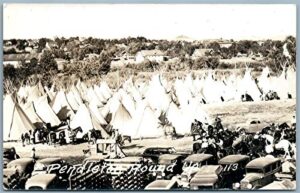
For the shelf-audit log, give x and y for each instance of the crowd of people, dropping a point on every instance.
(271, 140)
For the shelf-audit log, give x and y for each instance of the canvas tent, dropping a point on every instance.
(145, 123)
(249, 86)
(74, 98)
(45, 112)
(15, 121)
(122, 121)
(61, 107)
(29, 110)
(86, 121)
(157, 88)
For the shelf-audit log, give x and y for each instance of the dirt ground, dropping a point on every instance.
(232, 115)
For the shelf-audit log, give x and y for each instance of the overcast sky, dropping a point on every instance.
(151, 21)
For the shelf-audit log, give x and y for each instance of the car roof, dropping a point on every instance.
(126, 159)
(169, 156)
(198, 157)
(96, 157)
(159, 184)
(233, 159)
(41, 179)
(6, 148)
(49, 160)
(209, 169)
(159, 148)
(20, 161)
(261, 162)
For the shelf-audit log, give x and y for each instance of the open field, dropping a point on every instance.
(232, 115)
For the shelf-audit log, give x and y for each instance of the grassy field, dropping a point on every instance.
(232, 114)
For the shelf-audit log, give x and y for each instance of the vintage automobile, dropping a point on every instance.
(117, 166)
(45, 182)
(43, 166)
(191, 165)
(234, 169)
(154, 152)
(8, 155)
(208, 177)
(162, 185)
(280, 185)
(260, 172)
(171, 165)
(95, 159)
(255, 125)
(17, 171)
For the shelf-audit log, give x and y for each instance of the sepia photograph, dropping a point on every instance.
(189, 97)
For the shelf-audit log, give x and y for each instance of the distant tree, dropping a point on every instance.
(215, 46)
(9, 72)
(13, 41)
(47, 62)
(21, 45)
(41, 44)
(10, 51)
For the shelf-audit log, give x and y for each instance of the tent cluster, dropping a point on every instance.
(135, 108)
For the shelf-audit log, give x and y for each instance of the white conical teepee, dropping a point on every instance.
(15, 121)
(146, 124)
(45, 112)
(61, 106)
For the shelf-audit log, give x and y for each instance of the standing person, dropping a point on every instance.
(33, 156)
(37, 136)
(31, 137)
(27, 138)
(23, 139)
(13, 154)
(89, 135)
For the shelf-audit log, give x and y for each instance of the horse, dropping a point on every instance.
(122, 138)
(284, 145)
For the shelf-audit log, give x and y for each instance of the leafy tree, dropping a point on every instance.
(9, 72)
(41, 44)
(21, 44)
(47, 62)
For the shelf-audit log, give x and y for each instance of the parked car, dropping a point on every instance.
(17, 172)
(191, 165)
(154, 152)
(234, 169)
(162, 185)
(260, 172)
(117, 166)
(280, 185)
(45, 182)
(255, 125)
(94, 159)
(208, 177)
(9, 154)
(172, 165)
(43, 166)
